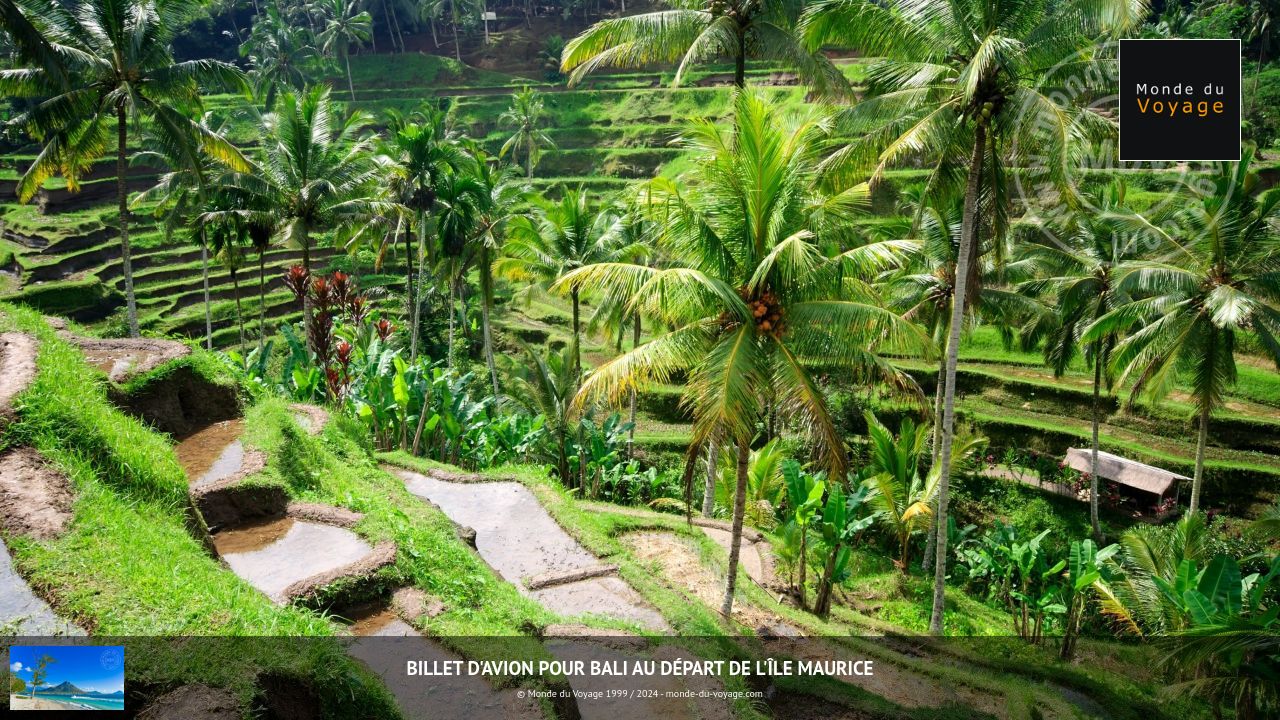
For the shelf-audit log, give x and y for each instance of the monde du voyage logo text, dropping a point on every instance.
(1179, 100)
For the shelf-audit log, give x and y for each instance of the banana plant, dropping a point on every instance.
(843, 517)
(1087, 567)
(1038, 593)
(804, 500)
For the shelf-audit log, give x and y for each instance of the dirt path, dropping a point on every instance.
(677, 559)
(35, 498)
(17, 369)
(754, 557)
(311, 418)
(521, 541)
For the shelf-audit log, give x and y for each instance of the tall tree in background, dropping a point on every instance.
(753, 305)
(179, 198)
(525, 118)
(501, 196)
(697, 32)
(1090, 247)
(278, 54)
(559, 239)
(959, 81)
(1217, 281)
(313, 173)
(117, 67)
(345, 25)
(420, 152)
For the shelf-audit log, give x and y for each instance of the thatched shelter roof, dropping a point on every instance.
(1124, 471)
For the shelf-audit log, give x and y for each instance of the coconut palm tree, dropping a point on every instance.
(559, 239)
(1216, 281)
(117, 66)
(1089, 247)
(960, 81)
(524, 117)
(544, 384)
(752, 306)
(227, 240)
(21, 23)
(278, 54)
(701, 31)
(345, 25)
(313, 173)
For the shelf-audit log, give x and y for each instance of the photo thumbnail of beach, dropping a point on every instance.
(66, 677)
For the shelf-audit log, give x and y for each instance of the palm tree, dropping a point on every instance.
(568, 235)
(959, 81)
(313, 173)
(923, 289)
(419, 153)
(501, 196)
(753, 306)
(1090, 246)
(459, 197)
(346, 25)
(1217, 280)
(695, 32)
(544, 384)
(179, 197)
(278, 54)
(227, 240)
(118, 66)
(33, 46)
(901, 490)
(525, 116)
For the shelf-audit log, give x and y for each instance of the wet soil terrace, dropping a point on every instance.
(274, 554)
(216, 453)
(520, 540)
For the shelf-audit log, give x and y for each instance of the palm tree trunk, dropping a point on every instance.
(409, 290)
(262, 300)
(122, 197)
(1201, 441)
(452, 321)
(735, 541)
(306, 294)
(740, 62)
(631, 434)
(577, 342)
(709, 487)
(1093, 461)
(235, 289)
(486, 300)
(346, 58)
(204, 279)
(968, 231)
(931, 539)
(457, 49)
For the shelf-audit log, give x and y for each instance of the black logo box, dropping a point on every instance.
(1191, 66)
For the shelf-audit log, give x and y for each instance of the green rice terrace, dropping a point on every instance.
(555, 337)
